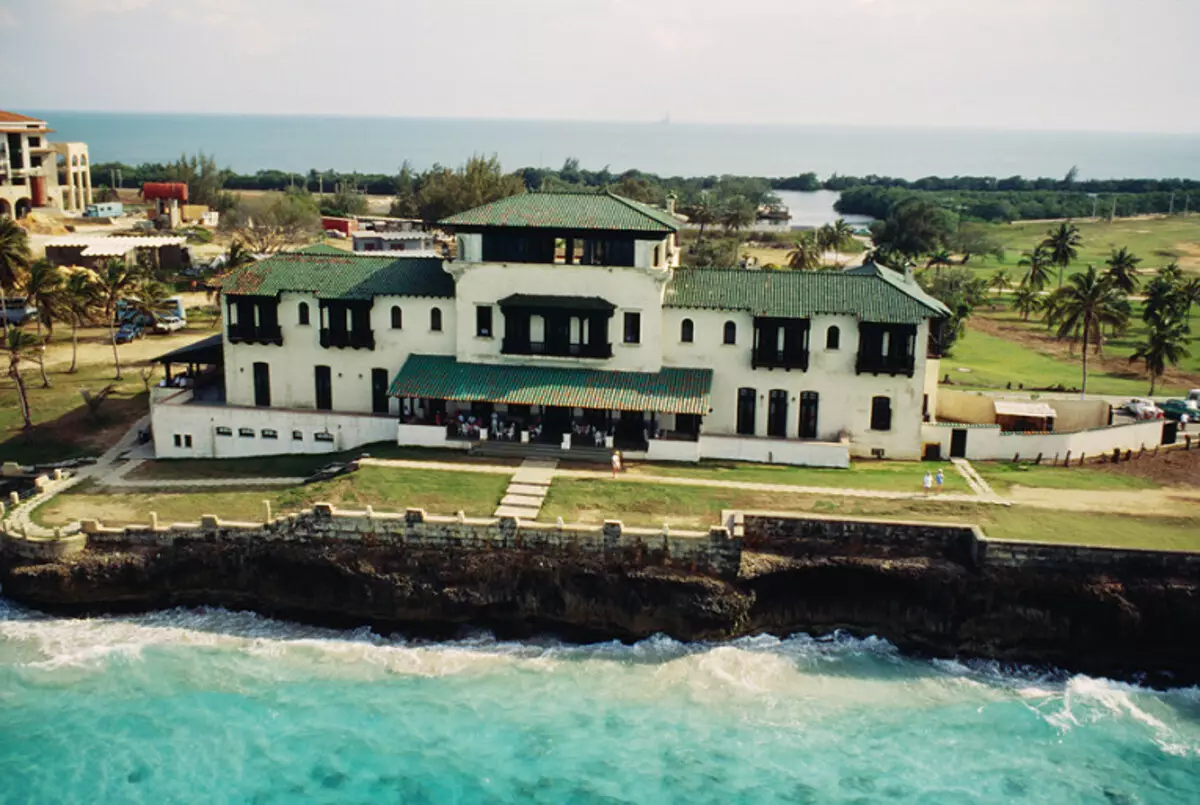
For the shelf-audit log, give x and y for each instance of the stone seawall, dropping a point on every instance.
(713, 552)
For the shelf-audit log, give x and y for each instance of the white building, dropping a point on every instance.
(35, 172)
(413, 242)
(567, 320)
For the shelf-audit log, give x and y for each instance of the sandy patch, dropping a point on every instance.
(1170, 502)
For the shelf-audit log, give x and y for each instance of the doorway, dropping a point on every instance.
(808, 414)
(745, 411)
(777, 405)
(958, 443)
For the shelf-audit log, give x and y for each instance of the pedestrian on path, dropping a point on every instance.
(927, 481)
(941, 479)
(616, 462)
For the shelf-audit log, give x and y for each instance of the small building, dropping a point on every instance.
(106, 209)
(1016, 416)
(331, 223)
(411, 242)
(35, 172)
(92, 251)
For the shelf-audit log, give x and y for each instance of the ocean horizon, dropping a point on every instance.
(247, 143)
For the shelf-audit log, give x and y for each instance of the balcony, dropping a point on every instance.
(512, 346)
(883, 365)
(352, 339)
(255, 335)
(779, 360)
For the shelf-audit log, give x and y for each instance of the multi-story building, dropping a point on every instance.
(564, 319)
(37, 173)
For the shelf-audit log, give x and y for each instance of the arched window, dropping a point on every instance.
(730, 333)
(303, 313)
(833, 338)
(435, 320)
(686, 331)
(397, 317)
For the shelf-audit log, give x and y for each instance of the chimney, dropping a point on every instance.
(671, 203)
(908, 274)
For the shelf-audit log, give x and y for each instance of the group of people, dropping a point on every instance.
(930, 478)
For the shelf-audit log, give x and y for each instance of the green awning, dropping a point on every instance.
(670, 391)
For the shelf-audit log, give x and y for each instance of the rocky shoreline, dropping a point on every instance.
(1137, 627)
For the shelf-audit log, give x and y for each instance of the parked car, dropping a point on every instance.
(1141, 409)
(129, 332)
(1174, 409)
(169, 324)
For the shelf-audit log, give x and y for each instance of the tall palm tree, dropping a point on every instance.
(237, 256)
(114, 282)
(1122, 269)
(806, 256)
(79, 303)
(151, 299)
(1060, 244)
(1190, 292)
(1085, 304)
(1037, 263)
(841, 235)
(1165, 345)
(14, 259)
(21, 346)
(42, 286)
(939, 258)
(703, 213)
(1026, 301)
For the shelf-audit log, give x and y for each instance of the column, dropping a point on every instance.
(87, 185)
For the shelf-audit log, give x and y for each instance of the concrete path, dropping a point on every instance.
(974, 479)
(527, 491)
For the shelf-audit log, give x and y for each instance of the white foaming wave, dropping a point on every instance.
(1087, 700)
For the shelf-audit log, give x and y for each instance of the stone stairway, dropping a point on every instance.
(548, 452)
(527, 489)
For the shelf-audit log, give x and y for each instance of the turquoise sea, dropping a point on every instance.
(247, 143)
(215, 707)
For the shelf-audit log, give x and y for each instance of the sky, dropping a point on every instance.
(1107, 65)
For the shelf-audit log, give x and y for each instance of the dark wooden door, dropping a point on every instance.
(745, 411)
(958, 443)
(777, 406)
(262, 385)
(324, 382)
(808, 414)
(379, 391)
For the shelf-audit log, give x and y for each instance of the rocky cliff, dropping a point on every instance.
(1101, 622)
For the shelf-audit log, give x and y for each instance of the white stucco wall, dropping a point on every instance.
(201, 423)
(630, 289)
(775, 451)
(987, 443)
(292, 365)
(844, 405)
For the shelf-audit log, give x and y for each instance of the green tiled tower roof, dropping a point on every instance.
(871, 292)
(677, 391)
(336, 274)
(568, 210)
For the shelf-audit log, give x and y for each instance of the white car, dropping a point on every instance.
(169, 324)
(1142, 409)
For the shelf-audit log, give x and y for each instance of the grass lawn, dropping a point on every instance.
(898, 476)
(993, 362)
(1157, 241)
(640, 504)
(1003, 475)
(291, 466)
(386, 489)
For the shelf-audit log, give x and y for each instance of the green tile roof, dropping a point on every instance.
(674, 391)
(871, 293)
(335, 274)
(568, 210)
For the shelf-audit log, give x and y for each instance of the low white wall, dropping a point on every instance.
(201, 422)
(990, 443)
(776, 451)
(427, 436)
(673, 450)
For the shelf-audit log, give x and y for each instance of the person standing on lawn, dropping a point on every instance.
(616, 462)
(940, 478)
(927, 481)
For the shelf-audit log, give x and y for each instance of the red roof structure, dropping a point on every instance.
(11, 121)
(165, 190)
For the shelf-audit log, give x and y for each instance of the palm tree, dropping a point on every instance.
(1038, 264)
(1060, 245)
(1084, 305)
(1000, 281)
(939, 258)
(703, 213)
(1026, 301)
(237, 256)
(114, 282)
(807, 254)
(840, 235)
(20, 346)
(1165, 345)
(1190, 293)
(152, 299)
(79, 304)
(42, 286)
(14, 259)
(1122, 269)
